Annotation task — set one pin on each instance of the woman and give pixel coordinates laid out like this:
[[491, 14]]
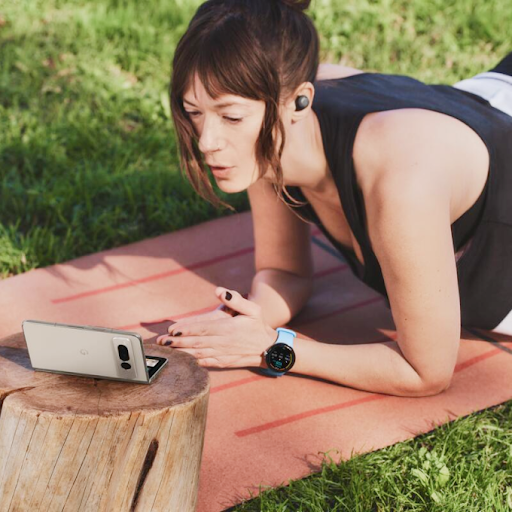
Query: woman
[[405, 179]]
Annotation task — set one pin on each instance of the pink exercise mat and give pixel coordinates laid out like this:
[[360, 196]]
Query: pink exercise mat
[[260, 430]]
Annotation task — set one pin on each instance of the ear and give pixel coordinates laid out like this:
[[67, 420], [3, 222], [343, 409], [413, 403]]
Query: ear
[[305, 89]]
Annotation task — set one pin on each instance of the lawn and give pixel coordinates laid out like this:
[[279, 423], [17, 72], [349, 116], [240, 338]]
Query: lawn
[[88, 161]]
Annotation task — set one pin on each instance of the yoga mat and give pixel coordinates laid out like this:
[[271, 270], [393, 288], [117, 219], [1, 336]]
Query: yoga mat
[[260, 430]]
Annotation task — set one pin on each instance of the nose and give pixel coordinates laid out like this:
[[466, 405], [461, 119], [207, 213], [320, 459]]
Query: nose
[[210, 139]]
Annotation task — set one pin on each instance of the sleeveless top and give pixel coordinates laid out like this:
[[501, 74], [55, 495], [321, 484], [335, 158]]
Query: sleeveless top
[[484, 271]]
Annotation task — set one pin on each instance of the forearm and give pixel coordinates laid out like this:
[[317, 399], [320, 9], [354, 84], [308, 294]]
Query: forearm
[[280, 294], [375, 367]]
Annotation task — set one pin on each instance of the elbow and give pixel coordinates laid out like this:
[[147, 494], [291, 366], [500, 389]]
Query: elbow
[[436, 388], [430, 387]]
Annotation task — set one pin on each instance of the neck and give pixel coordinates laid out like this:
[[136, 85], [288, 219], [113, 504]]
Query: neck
[[304, 162]]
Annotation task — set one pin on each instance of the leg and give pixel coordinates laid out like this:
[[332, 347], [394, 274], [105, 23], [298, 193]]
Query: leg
[[505, 326], [494, 85], [504, 66]]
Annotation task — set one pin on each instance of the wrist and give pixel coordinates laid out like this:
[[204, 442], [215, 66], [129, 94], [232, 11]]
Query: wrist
[[269, 340]]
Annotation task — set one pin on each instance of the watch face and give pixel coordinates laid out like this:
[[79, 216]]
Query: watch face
[[280, 357]]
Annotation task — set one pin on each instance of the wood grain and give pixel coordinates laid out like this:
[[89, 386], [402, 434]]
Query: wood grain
[[82, 444]]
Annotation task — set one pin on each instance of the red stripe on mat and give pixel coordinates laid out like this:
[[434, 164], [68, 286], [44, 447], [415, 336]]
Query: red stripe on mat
[[237, 383], [163, 275], [154, 277], [351, 403], [211, 308], [307, 414], [477, 359]]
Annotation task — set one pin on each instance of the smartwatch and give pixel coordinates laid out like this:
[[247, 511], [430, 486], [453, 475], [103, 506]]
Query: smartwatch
[[280, 356]]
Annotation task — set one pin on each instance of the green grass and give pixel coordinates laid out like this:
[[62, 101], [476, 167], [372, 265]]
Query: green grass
[[465, 465], [88, 161], [87, 152]]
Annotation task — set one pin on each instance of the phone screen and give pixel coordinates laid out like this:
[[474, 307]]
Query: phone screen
[[154, 364]]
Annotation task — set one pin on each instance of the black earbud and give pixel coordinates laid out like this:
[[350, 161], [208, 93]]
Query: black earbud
[[301, 102]]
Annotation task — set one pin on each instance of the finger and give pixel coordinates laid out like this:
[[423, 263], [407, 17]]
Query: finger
[[162, 339], [217, 327], [194, 342], [179, 326], [174, 328], [236, 302], [182, 324], [166, 339], [218, 313]]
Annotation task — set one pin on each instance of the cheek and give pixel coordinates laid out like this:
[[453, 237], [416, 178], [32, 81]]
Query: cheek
[[252, 144], [244, 146]]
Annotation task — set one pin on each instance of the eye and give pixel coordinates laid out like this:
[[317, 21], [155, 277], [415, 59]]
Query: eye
[[233, 120]]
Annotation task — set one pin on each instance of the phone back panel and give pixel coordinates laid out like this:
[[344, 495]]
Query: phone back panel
[[84, 351]]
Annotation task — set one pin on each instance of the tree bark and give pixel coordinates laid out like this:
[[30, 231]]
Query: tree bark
[[82, 444]]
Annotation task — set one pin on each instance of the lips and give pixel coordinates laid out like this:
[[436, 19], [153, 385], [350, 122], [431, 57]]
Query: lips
[[219, 167], [221, 171]]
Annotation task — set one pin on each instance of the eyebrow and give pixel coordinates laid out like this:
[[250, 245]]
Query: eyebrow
[[221, 105]]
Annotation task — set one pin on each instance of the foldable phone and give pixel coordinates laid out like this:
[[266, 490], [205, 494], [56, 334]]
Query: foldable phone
[[90, 351]]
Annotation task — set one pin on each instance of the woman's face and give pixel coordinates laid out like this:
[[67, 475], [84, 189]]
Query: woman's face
[[227, 129]]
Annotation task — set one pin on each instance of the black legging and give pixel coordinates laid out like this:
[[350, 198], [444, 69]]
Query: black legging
[[504, 66]]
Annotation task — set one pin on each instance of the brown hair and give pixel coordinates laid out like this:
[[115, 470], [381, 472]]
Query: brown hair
[[257, 49]]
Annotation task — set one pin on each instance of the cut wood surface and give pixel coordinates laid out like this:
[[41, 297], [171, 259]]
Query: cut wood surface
[[84, 444]]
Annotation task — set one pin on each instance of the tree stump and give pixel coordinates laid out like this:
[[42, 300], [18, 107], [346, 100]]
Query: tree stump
[[83, 444]]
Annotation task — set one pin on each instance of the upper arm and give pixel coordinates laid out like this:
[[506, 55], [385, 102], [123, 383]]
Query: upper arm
[[407, 200], [327, 71], [281, 239]]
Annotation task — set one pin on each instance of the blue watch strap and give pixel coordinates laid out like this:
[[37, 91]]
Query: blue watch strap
[[285, 336]]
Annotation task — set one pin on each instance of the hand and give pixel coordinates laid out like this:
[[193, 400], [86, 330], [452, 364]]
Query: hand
[[215, 314], [221, 311], [224, 341]]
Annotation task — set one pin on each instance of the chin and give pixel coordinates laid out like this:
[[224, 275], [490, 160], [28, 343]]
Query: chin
[[233, 185], [230, 186]]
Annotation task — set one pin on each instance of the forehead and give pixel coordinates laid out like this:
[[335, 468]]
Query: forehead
[[196, 93]]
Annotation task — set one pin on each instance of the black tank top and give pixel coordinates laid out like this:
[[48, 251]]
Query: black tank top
[[485, 269]]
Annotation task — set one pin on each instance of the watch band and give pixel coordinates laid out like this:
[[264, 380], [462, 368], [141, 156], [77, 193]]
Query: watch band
[[285, 336]]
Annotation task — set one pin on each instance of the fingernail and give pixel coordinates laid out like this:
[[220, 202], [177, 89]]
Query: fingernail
[[228, 296], [177, 333], [168, 342]]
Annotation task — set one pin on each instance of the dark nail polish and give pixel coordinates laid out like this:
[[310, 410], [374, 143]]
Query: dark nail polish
[[177, 333], [228, 296], [168, 342]]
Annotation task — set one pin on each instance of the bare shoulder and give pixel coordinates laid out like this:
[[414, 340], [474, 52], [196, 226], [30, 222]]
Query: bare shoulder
[[415, 146], [328, 71]]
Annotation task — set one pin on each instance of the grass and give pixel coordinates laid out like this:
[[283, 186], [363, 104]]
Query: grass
[[88, 161], [87, 152], [465, 465]]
